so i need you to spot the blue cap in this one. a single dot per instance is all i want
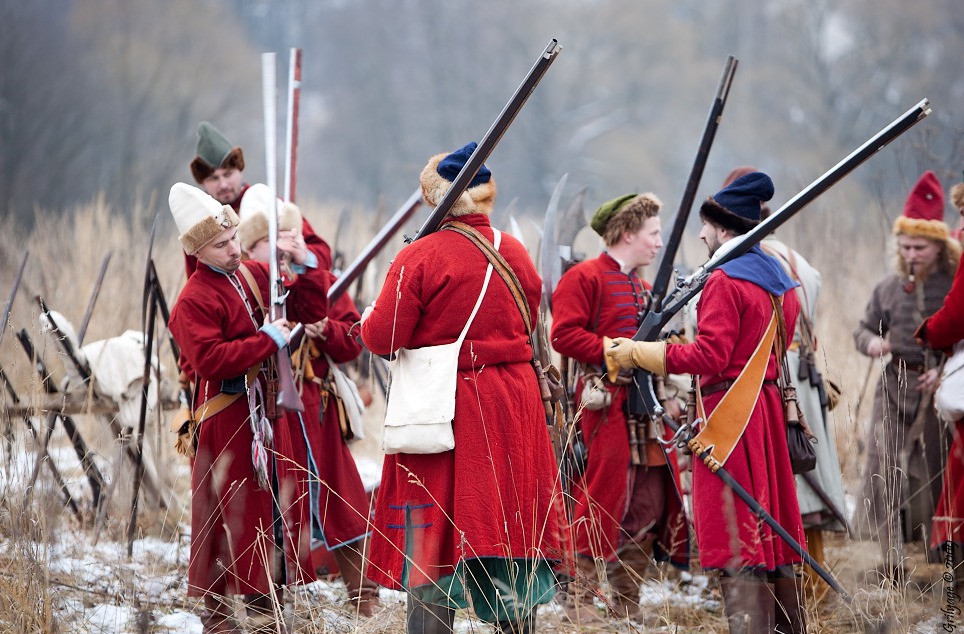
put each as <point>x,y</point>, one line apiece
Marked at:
<point>744,195</point>
<point>451,165</point>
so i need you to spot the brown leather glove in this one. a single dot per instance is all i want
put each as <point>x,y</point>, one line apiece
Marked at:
<point>648,355</point>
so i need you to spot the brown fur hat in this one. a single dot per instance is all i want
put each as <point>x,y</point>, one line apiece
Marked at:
<point>214,151</point>
<point>474,200</point>
<point>957,196</point>
<point>630,216</point>
<point>253,212</point>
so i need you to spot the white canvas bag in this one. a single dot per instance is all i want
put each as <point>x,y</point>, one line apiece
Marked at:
<point>949,397</point>
<point>421,400</point>
<point>348,393</point>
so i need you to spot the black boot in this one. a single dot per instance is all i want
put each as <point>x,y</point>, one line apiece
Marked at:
<point>526,625</point>
<point>428,618</point>
<point>791,615</point>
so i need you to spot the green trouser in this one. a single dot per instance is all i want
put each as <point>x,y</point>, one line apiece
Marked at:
<point>501,590</point>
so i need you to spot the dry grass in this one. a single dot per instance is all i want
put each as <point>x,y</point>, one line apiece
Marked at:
<point>64,259</point>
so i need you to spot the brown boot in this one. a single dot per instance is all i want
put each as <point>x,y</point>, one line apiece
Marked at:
<point>791,615</point>
<point>362,592</point>
<point>218,616</point>
<point>265,613</point>
<point>625,574</point>
<point>577,598</point>
<point>747,603</point>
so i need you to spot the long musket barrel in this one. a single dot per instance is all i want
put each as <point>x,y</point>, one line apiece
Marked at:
<point>491,138</point>
<point>269,91</point>
<point>692,284</point>
<point>661,282</point>
<point>357,267</point>
<point>291,128</point>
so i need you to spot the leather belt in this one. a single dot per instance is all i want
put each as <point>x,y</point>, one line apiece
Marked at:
<point>713,388</point>
<point>917,368</point>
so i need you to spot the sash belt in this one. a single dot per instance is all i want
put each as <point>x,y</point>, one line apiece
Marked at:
<point>712,388</point>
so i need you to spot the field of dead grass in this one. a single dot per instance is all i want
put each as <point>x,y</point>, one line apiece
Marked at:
<point>62,573</point>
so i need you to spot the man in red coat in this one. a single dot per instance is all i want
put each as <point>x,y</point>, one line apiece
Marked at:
<point>336,518</point>
<point>239,545</point>
<point>943,331</point>
<point>218,167</point>
<point>484,519</point>
<point>596,301</point>
<point>734,313</point>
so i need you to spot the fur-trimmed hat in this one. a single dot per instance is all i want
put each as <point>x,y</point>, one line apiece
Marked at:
<point>957,196</point>
<point>442,169</point>
<point>214,151</point>
<point>254,208</point>
<point>923,215</point>
<point>199,217</point>
<point>738,206</point>
<point>628,212</point>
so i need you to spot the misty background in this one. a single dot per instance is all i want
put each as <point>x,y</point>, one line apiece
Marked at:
<point>101,98</point>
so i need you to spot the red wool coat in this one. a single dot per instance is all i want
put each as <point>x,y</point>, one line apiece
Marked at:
<point>312,240</point>
<point>732,317</point>
<point>231,519</point>
<point>497,493</point>
<point>941,331</point>
<point>595,298</point>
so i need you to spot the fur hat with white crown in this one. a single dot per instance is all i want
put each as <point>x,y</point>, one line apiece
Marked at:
<point>253,211</point>
<point>441,171</point>
<point>199,217</point>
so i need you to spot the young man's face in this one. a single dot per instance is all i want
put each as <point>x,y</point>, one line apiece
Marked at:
<point>645,243</point>
<point>922,253</point>
<point>224,252</point>
<point>224,185</point>
<point>713,236</point>
<point>260,251</point>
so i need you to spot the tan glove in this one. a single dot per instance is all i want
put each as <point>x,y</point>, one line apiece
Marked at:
<point>648,355</point>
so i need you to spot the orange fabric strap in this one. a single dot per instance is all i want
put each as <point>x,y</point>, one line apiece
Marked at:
<point>214,405</point>
<point>725,426</point>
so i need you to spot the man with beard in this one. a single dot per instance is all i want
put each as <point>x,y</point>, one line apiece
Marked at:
<point>906,443</point>
<point>238,544</point>
<point>218,167</point>
<point>742,305</point>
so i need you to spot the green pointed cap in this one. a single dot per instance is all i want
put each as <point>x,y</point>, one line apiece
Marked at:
<point>212,146</point>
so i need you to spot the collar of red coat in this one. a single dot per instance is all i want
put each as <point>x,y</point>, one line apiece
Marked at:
<point>473,220</point>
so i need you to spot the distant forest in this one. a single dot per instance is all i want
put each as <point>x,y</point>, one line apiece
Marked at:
<point>101,98</point>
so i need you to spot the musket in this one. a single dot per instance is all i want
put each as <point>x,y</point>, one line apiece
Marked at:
<point>291,128</point>
<point>13,294</point>
<point>357,267</point>
<point>661,282</point>
<point>688,287</point>
<point>491,138</point>
<point>93,299</point>
<point>287,396</point>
